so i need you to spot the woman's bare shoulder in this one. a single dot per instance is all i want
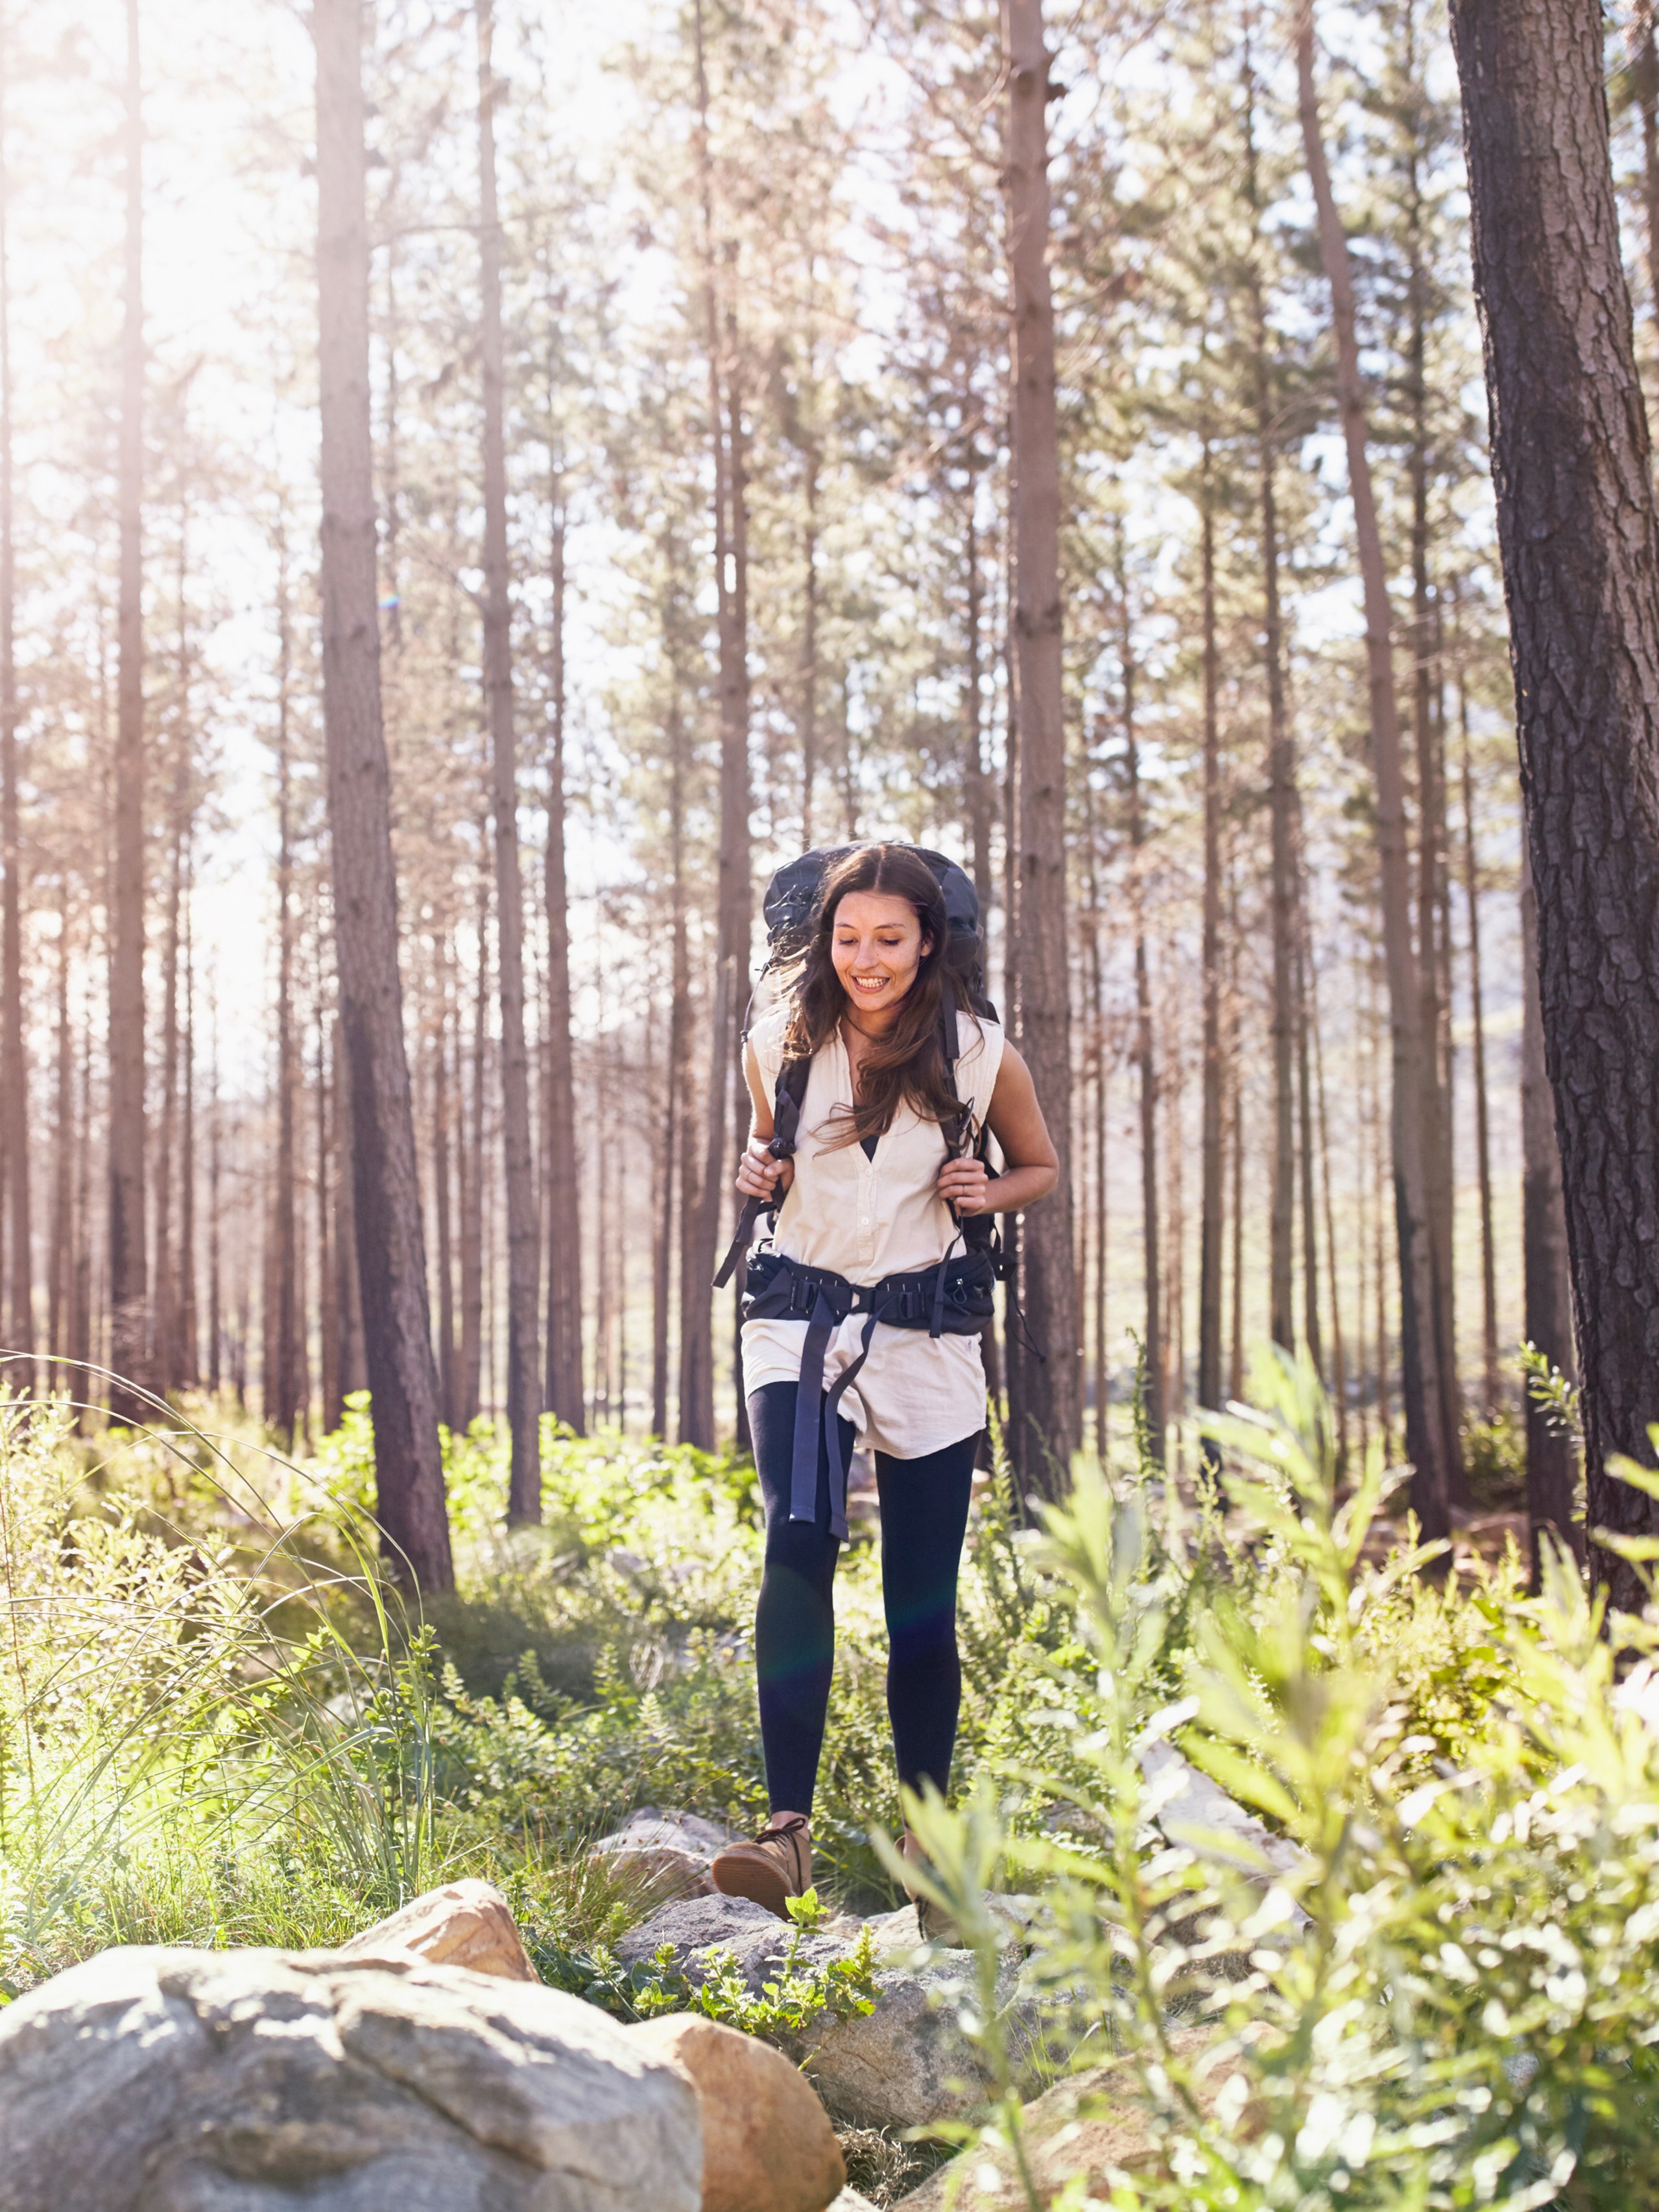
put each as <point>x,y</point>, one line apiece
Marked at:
<point>766,1036</point>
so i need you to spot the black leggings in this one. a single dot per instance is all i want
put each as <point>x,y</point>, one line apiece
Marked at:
<point>924,1518</point>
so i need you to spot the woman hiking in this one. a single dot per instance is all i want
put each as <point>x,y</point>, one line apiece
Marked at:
<point>863,1313</point>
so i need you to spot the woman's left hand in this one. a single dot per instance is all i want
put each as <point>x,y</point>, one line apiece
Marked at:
<point>964,1184</point>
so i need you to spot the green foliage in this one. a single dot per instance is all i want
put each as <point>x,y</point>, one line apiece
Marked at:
<point>803,1999</point>
<point>1445,1997</point>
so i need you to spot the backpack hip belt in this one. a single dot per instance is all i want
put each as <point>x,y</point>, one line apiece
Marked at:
<point>952,1298</point>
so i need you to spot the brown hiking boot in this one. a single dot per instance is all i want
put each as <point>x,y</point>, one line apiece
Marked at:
<point>776,1866</point>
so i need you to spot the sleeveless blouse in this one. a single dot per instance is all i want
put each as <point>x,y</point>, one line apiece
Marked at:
<point>867,1218</point>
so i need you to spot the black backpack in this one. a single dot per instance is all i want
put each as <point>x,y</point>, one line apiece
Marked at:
<point>790,908</point>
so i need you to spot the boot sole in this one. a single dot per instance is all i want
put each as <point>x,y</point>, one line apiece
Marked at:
<point>755,1879</point>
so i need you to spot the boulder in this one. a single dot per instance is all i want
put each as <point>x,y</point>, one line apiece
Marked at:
<point>674,1851</point>
<point>465,1923</point>
<point>179,2081</point>
<point>768,2145</point>
<point>1081,2127</point>
<point>692,1927</point>
<point>907,2063</point>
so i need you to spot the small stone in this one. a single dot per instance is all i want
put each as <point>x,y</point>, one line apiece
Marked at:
<point>465,1923</point>
<point>768,2145</point>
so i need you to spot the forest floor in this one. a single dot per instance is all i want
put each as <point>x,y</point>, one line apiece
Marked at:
<point>222,1727</point>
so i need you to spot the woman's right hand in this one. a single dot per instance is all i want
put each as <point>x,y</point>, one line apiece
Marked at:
<point>759,1174</point>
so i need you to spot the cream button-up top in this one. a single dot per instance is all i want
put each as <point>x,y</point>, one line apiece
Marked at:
<point>867,1218</point>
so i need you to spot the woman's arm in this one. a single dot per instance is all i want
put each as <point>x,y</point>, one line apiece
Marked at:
<point>757,1172</point>
<point>1015,1119</point>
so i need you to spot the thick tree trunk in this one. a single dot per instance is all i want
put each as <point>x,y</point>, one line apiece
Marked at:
<point>1049,1431</point>
<point>564,1246</point>
<point>1432,1442</point>
<point>1550,1473</point>
<point>392,1261</point>
<point>1572,471</point>
<point>523,1394</point>
<point>128,1276</point>
<point>1211,1222</point>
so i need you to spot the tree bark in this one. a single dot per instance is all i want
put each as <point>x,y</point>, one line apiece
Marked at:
<point>474,1153</point>
<point>1431,1444</point>
<point>1211,1222</point>
<point>523,1394</point>
<point>128,1275</point>
<point>564,1247</point>
<point>442,1187</point>
<point>15,1205</point>
<point>677,1134</point>
<point>348,1294</point>
<point>391,1260</point>
<point>1482,1114</point>
<point>1551,1472</point>
<point>1049,1433</point>
<point>1145,1059</point>
<point>1571,469</point>
<point>281,1377</point>
<point>733,906</point>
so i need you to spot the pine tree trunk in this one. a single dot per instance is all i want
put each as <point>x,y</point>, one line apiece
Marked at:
<point>392,1260</point>
<point>978,778</point>
<point>129,1296</point>
<point>14,1203</point>
<point>282,1393</point>
<point>677,1195</point>
<point>348,1299</point>
<point>1572,472</point>
<point>1644,73</point>
<point>443,1186</point>
<point>564,1250</point>
<point>1482,1114</point>
<point>524,1391</point>
<point>1211,1223</point>
<point>328,1259</point>
<point>1049,1431</point>
<point>809,643</point>
<point>1281,800</point>
<point>60,1273</point>
<point>1310,1147</point>
<point>1432,1444</point>
<point>472,1186</point>
<point>733,898</point>
<point>1550,1473</point>
<point>1145,1063</point>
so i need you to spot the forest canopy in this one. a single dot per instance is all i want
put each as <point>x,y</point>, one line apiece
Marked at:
<point>481,487</point>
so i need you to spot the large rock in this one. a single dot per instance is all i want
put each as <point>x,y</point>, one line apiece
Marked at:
<point>693,1927</point>
<point>465,1923</point>
<point>673,1851</point>
<point>1081,2127</point>
<point>175,2081</point>
<point>768,2145</point>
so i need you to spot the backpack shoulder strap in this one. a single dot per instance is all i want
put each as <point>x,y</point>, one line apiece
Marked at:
<point>788,1096</point>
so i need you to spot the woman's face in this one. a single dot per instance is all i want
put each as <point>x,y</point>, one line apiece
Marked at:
<point>877,943</point>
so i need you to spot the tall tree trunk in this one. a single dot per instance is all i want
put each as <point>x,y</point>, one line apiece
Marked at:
<point>282,1391</point>
<point>1644,73</point>
<point>348,1298</point>
<point>15,1205</point>
<point>473,1155</point>
<point>60,1272</point>
<point>1572,471</point>
<point>1095,919</point>
<point>215,1169</point>
<point>1281,800</point>
<point>188,1338</point>
<point>564,1248</point>
<point>678,1136</point>
<point>392,1260</point>
<point>812,459</point>
<point>442,1185</point>
<point>1550,1473</point>
<point>978,778</point>
<point>1049,1433</point>
<point>1146,1061</point>
<point>733,907</point>
<point>129,1296</point>
<point>523,1394</point>
<point>1339,1351</point>
<point>1431,1444</point>
<point>331,1379</point>
<point>1310,1147</point>
<point>662,1224</point>
<point>1478,1028</point>
<point>1212,1227</point>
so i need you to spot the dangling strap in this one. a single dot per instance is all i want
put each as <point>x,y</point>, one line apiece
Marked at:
<point>819,1412</point>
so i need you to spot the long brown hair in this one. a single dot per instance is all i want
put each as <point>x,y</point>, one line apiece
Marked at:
<point>907,1063</point>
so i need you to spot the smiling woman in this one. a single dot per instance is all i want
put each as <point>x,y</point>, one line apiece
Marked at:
<point>863,1318</point>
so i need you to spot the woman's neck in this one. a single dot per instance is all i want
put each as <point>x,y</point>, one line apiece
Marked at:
<point>866,1028</point>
